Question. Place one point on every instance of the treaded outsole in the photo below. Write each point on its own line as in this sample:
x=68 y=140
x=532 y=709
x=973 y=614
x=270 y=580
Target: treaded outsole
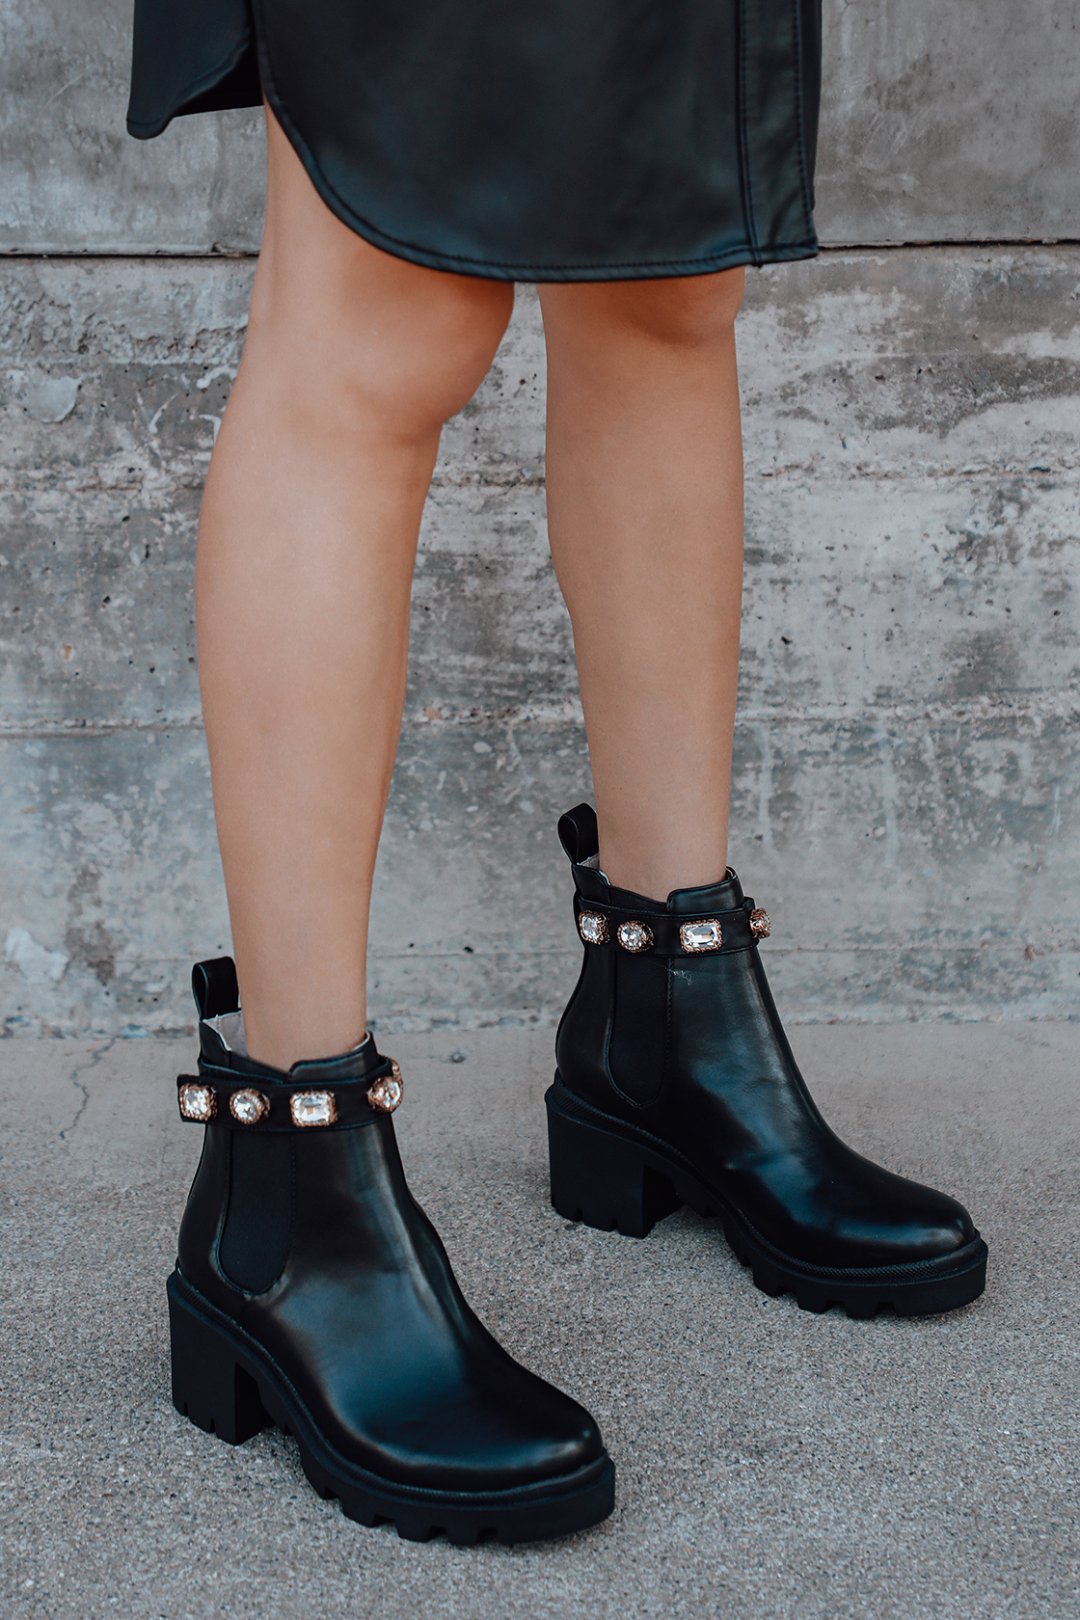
x=612 y=1182
x=230 y=1389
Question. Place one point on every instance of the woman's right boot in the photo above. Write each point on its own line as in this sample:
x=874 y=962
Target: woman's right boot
x=310 y=1289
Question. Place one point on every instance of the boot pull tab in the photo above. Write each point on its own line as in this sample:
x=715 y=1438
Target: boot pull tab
x=578 y=833
x=214 y=986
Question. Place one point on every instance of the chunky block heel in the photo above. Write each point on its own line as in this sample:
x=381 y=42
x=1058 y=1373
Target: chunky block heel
x=208 y=1384
x=602 y=1181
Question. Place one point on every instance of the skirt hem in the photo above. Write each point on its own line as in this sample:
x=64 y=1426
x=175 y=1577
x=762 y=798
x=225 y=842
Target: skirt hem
x=146 y=128
x=434 y=259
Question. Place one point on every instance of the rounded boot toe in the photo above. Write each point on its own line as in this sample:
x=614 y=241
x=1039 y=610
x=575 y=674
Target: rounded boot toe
x=947 y=1226
x=922 y=1225
x=541 y=1435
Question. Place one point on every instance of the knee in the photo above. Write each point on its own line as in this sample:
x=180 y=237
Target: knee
x=680 y=311
x=686 y=311
x=360 y=333
x=419 y=358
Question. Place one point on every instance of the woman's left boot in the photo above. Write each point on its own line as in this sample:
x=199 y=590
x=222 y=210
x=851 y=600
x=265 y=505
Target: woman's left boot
x=676 y=1084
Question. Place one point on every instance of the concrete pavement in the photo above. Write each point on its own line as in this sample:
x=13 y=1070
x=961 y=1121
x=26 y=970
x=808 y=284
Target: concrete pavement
x=771 y=1464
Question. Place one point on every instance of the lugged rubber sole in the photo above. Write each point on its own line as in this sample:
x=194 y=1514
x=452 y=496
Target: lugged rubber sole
x=226 y=1384
x=614 y=1177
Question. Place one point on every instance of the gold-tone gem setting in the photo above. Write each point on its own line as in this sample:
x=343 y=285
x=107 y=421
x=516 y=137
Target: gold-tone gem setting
x=249 y=1106
x=387 y=1092
x=634 y=935
x=198 y=1103
x=760 y=923
x=593 y=927
x=312 y=1108
x=705 y=934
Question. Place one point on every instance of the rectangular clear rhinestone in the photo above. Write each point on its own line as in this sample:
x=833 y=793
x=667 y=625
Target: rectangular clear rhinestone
x=701 y=936
x=312 y=1108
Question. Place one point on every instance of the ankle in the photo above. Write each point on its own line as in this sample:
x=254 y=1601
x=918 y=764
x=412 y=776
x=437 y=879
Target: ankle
x=284 y=1048
x=278 y=1043
x=657 y=874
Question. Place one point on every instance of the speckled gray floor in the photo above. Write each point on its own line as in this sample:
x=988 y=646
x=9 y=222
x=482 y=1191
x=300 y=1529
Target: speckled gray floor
x=770 y=1463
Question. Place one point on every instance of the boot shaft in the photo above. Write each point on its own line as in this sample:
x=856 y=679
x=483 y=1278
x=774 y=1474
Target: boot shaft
x=662 y=982
x=291 y=1161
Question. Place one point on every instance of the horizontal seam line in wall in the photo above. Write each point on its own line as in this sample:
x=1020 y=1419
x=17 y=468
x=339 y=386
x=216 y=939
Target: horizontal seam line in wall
x=940 y=714
x=492 y=484
x=908 y=244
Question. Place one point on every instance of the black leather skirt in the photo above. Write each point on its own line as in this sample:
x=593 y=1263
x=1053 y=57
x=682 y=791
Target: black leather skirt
x=570 y=140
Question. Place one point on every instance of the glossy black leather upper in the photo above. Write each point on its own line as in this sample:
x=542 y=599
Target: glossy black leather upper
x=690 y=1049
x=311 y=1241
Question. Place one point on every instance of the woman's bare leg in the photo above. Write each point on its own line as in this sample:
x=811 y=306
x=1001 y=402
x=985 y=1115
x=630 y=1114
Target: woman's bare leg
x=645 y=513
x=353 y=360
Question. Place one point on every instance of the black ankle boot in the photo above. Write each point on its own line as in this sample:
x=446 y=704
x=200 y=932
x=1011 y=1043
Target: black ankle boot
x=676 y=1084
x=311 y=1290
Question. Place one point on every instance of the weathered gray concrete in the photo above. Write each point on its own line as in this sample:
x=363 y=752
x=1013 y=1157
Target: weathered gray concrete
x=946 y=123
x=938 y=123
x=906 y=763
x=770 y=1464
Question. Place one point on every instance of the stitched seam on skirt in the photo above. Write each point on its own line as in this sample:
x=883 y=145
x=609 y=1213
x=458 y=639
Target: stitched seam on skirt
x=800 y=115
x=205 y=81
x=273 y=95
x=745 y=179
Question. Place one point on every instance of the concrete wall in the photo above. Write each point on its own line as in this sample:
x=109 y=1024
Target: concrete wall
x=906 y=758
